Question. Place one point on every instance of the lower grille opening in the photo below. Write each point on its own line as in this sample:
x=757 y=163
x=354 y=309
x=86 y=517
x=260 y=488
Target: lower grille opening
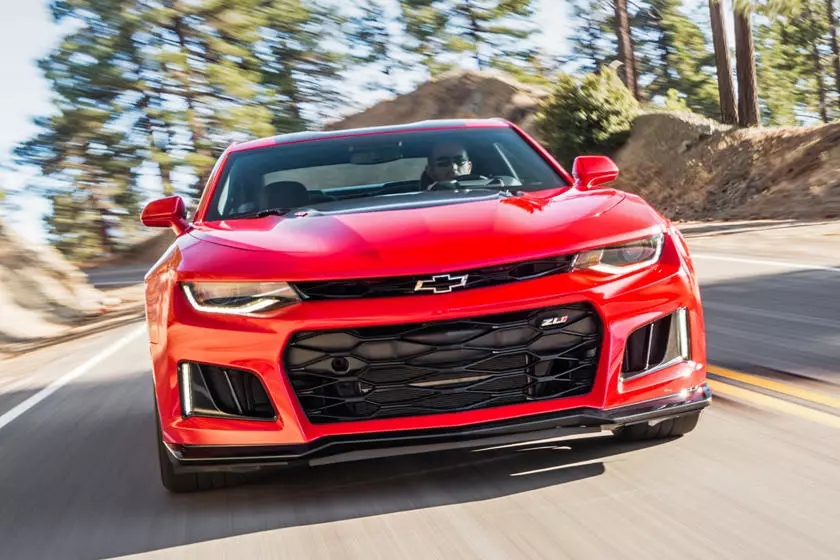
x=657 y=344
x=444 y=366
x=208 y=390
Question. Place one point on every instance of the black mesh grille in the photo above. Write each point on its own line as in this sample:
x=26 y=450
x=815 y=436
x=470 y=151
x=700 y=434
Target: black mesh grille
x=447 y=366
x=406 y=285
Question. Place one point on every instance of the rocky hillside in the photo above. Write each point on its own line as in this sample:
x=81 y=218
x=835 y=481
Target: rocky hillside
x=40 y=292
x=461 y=94
x=693 y=168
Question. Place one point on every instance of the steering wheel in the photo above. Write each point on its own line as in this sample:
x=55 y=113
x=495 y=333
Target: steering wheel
x=453 y=183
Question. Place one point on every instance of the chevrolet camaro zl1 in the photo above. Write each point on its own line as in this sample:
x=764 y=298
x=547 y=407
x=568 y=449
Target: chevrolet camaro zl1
x=363 y=293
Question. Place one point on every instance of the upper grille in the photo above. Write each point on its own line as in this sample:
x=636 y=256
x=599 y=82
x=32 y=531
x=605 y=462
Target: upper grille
x=444 y=366
x=405 y=285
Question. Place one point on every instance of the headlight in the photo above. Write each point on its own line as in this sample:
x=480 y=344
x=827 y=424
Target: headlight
x=239 y=298
x=623 y=258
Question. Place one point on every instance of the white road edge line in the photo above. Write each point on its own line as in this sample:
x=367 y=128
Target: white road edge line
x=76 y=372
x=803 y=266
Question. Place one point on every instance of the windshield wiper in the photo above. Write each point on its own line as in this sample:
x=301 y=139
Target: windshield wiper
x=263 y=213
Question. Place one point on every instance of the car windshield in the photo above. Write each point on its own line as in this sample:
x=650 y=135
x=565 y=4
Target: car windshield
x=379 y=171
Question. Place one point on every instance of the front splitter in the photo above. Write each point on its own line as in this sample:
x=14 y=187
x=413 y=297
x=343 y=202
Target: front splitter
x=338 y=449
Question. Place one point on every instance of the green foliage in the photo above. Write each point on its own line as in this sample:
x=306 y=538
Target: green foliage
x=374 y=44
x=675 y=102
x=592 y=37
x=789 y=77
x=167 y=85
x=673 y=54
x=491 y=32
x=591 y=115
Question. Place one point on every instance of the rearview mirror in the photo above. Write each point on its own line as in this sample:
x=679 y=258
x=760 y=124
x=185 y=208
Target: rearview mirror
x=590 y=171
x=373 y=154
x=166 y=212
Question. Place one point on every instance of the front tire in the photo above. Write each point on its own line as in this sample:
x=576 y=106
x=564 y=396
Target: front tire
x=179 y=483
x=672 y=427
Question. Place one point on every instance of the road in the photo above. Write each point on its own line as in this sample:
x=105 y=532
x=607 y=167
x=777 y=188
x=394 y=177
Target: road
x=108 y=278
x=756 y=479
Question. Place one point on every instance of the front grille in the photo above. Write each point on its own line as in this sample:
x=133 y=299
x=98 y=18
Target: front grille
x=406 y=285
x=444 y=366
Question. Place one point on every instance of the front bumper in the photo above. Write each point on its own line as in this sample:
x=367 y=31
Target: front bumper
x=340 y=449
x=179 y=333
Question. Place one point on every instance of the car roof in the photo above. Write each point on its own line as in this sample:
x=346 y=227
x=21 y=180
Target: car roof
x=305 y=136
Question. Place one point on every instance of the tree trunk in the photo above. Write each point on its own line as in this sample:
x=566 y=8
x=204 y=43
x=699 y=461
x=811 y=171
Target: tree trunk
x=194 y=124
x=150 y=126
x=102 y=230
x=745 y=67
x=668 y=75
x=625 y=47
x=726 y=89
x=835 y=50
x=474 y=29
x=818 y=72
x=166 y=179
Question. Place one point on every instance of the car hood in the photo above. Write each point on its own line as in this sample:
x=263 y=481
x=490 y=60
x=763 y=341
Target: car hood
x=414 y=241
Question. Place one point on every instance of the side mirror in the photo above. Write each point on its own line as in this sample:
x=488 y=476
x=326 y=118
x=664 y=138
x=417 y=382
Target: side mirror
x=166 y=212
x=590 y=171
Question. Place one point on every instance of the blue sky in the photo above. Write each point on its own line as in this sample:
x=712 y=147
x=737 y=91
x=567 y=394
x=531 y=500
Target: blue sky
x=27 y=33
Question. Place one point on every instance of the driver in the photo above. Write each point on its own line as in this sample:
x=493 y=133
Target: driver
x=448 y=161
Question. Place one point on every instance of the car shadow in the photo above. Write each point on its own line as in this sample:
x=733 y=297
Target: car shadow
x=85 y=471
x=781 y=325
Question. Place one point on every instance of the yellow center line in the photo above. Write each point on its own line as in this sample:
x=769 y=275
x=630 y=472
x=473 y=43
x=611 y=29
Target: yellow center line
x=778 y=387
x=775 y=403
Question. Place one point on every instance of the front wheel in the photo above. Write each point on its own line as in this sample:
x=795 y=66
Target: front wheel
x=184 y=482
x=672 y=427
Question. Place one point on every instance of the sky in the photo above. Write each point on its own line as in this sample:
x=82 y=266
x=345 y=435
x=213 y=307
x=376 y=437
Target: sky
x=28 y=33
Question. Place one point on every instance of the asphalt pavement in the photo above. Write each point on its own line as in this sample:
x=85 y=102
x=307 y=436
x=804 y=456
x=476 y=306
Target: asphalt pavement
x=757 y=479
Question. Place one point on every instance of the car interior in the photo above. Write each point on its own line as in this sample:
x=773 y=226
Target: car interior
x=330 y=170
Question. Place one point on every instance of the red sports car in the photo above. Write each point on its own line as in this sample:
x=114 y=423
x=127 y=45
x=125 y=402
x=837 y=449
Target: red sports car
x=362 y=293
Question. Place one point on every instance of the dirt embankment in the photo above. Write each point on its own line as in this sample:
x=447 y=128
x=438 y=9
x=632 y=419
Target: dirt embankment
x=459 y=94
x=40 y=292
x=691 y=168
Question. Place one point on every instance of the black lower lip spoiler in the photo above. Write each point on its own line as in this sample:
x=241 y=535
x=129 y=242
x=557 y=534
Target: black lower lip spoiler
x=195 y=458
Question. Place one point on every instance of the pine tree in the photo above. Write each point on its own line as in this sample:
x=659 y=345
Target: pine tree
x=592 y=39
x=167 y=85
x=375 y=44
x=835 y=48
x=748 y=113
x=90 y=163
x=302 y=74
x=791 y=64
x=674 y=56
x=812 y=28
x=626 y=54
x=726 y=88
x=492 y=33
x=779 y=73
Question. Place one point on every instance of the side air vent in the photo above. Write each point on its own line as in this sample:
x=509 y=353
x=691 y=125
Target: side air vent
x=214 y=391
x=656 y=345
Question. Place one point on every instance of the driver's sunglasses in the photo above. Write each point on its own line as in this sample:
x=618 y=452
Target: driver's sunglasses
x=446 y=161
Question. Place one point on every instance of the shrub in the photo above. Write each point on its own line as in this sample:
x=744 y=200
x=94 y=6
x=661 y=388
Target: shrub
x=586 y=116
